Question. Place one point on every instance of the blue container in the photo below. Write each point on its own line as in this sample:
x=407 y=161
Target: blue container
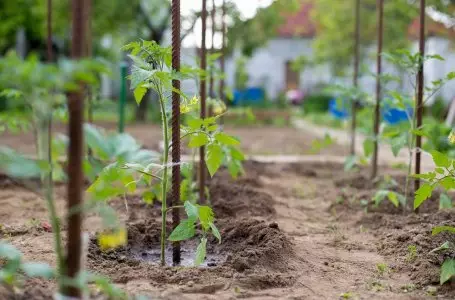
x=249 y=96
x=392 y=115
x=339 y=109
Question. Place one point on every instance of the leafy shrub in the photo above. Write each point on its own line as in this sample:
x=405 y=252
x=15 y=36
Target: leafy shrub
x=316 y=103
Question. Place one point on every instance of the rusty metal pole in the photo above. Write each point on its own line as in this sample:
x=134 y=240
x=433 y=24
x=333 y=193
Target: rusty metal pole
x=420 y=87
x=380 y=7
x=175 y=199
x=212 y=81
x=88 y=53
x=203 y=92
x=75 y=154
x=356 y=75
x=223 y=53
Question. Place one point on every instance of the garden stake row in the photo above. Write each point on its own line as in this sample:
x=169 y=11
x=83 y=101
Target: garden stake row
x=356 y=74
x=419 y=98
x=75 y=154
x=175 y=199
x=380 y=5
x=203 y=91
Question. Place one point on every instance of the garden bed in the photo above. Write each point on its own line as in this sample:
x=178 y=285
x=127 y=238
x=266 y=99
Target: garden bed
x=284 y=234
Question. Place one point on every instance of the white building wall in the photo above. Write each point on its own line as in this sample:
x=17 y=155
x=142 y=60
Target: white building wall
x=266 y=68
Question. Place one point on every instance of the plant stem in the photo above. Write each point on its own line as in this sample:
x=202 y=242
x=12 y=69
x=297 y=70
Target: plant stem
x=45 y=152
x=164 y=181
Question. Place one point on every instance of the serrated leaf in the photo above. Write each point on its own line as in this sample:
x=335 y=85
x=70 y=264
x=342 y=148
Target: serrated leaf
x=422 y=194
x=215 y=232
x=139 y=93
x=198 y=140
x=184 y=231
x=440 y=159
x=447 y=270
x=214 y=158
x=226 y=139
x=201 y=252
x=36 y=269
x=140 y=76
x=438 y=229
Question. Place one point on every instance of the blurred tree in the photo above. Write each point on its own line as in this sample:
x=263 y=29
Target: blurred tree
x=255 y=32
x=335 y=23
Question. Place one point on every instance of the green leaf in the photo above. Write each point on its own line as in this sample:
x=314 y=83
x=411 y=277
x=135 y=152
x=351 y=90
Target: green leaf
x=237 y=153
x=206 y=216
x=9 y=252
x=225 y=139
x=441 y=160
x=393 y=198
x=191 y=210
x=18 y=166
x=447 y=183
x=350 y=162
x=33 y=269
x=139 y=93
x=214 y=158
x=201 y=252
x=184 y=231
x=445 y=202
x=215 y=231
x=148 y=197
x=447 y=270
x=398 y=143
x=438 y=229
x=445 y=246
x=379 y=196
x=422 y=194
x=198 y=140
x=368 y=147
x=235 y=168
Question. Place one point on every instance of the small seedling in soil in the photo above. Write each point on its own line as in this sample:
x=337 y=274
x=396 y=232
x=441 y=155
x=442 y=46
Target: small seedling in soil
x=407 y=288
x=412 y=253
x=431 y=291
x=448 y=266
x=348 y=295
x=382 y=269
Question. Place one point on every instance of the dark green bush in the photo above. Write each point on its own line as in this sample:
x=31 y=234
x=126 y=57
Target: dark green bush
x=316 y=103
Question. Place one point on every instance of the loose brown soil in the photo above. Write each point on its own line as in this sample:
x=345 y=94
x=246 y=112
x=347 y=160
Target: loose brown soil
x=289 y=231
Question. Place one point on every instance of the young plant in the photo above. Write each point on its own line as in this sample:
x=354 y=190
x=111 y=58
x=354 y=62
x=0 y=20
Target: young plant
x=405 y=136
x=152 y=70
